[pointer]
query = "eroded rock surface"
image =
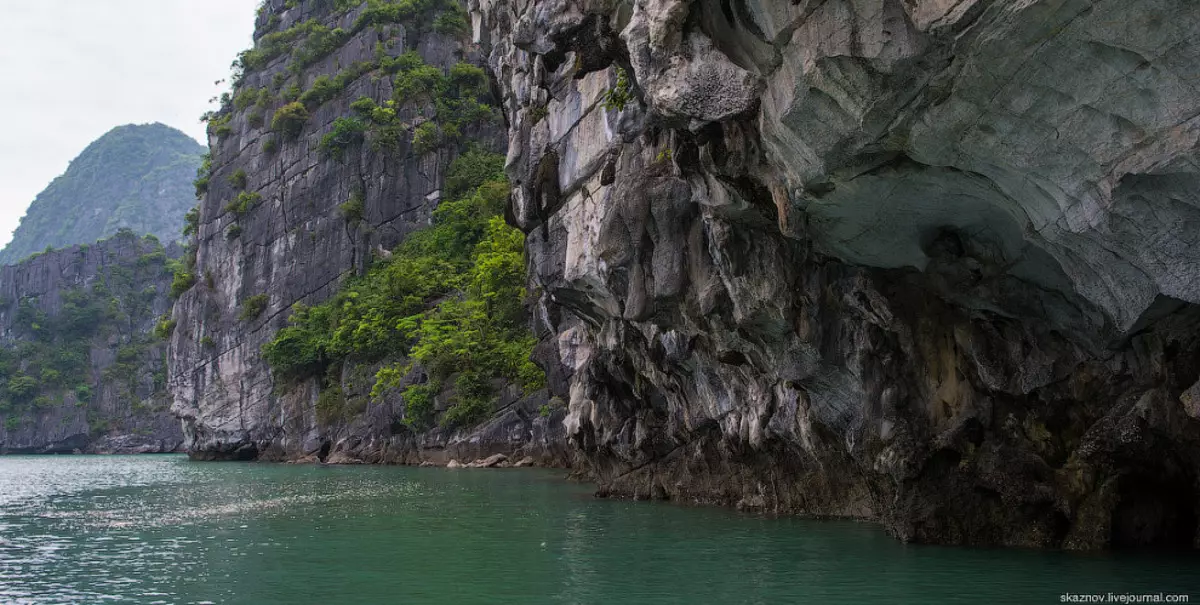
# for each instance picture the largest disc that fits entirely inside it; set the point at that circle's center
(296, 243)
(927, 262)
(82, 370)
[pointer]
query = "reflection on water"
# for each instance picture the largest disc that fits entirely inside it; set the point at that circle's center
(162, 529)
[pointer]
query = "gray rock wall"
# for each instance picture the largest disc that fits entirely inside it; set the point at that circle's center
(297, 247)
(124, 408)
(929, 263)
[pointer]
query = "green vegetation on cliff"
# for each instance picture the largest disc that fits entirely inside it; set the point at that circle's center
(310, 41)
(134, 177)
(450, 298)
(441, 319)
(67, 346)
(460, 97)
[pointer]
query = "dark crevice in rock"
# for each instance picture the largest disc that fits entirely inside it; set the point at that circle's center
(1154, 511)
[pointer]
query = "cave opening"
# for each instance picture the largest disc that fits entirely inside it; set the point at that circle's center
(246, 453)
(323, 453)
(1154, 512)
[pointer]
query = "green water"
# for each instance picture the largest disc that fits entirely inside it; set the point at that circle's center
(166, 530)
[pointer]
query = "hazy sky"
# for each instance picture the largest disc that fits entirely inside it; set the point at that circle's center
(71, 70)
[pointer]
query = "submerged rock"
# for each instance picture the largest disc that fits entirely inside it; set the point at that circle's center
(342, 458)
(489, 462)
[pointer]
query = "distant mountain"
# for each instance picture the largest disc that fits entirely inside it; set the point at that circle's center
(137, 177)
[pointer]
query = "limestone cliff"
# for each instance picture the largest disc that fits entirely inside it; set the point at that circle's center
(927, 262)
(81, 368)
(321, 164)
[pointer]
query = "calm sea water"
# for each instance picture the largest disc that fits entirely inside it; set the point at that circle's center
(166, 530)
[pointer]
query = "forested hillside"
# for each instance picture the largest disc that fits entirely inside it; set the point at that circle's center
(135, 177)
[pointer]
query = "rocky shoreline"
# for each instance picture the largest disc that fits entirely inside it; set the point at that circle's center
(896, 263)
(109, 445)
(899, 261)
(82, 369)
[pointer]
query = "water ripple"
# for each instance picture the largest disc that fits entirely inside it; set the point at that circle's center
(164, 530)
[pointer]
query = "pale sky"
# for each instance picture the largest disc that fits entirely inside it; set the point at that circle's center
(71, 70)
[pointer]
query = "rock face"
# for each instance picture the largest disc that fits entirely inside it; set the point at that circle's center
(930, 263)
(82, 370)
(136, 177)
(297, 243)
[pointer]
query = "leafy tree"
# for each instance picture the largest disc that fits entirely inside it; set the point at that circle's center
(471, 169)
(290, 119)
(191, 221)
(426, 138)
(239, 179)
(449, 298)
(22, 386)
(243, 203)
(203, 175)
(253, 307)
(452, 22)
(346, 133)
(419, 82)
(323, 89)
(165, 327)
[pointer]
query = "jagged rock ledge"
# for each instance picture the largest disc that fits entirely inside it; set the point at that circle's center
(929, 263)
(521, 429)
